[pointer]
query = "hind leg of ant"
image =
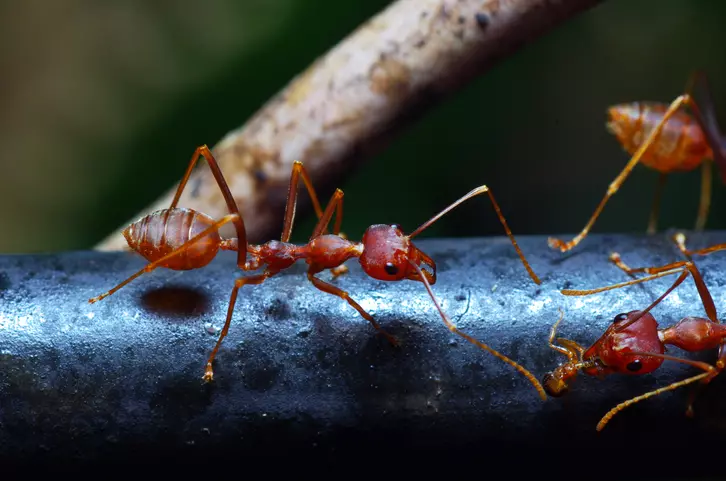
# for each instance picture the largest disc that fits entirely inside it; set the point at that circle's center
(655, 210)
(565, 246)
(242, 281)
(482, 189)
(239, 224)
(705, 200)
(704, 112)
(450, 325)
(336, 291)
(153, 265)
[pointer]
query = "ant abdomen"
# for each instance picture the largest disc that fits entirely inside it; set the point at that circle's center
(680, 146)
(166, 230)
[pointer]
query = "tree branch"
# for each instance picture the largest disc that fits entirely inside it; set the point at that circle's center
(303, 382)
(351, 101)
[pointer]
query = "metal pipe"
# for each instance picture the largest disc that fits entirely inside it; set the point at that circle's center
(301, 378)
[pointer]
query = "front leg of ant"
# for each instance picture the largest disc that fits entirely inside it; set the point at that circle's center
(242, 281)
(331, 289)
(153, 265)
(569, 348)
(565, 246)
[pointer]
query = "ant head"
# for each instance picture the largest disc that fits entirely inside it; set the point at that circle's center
(386, 254)
(555, 383)
(630, 332)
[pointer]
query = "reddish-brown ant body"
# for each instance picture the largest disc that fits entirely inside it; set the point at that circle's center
(182, 239)
(667, 140)
(634, 345)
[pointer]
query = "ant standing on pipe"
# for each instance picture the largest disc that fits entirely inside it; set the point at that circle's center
(675, 142)
(635, 345)
(183, 239)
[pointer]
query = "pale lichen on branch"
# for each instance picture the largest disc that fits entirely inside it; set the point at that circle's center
(348, 102)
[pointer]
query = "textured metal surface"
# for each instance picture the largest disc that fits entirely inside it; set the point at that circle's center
(303, 380)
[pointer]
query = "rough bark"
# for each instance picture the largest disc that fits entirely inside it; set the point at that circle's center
(349, 102)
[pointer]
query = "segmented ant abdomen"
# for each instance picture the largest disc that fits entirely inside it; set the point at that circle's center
(163, 231)
(680, 146)
(614, 346)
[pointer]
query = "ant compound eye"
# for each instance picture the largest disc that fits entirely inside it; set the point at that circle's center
(391, 269)
(620, 317)
(634, 366)
(397, 226)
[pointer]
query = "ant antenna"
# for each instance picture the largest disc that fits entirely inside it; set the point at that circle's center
(491, 351)
(702, 365)
(478, 191)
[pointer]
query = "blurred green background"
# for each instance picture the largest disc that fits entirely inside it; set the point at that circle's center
(103, 103)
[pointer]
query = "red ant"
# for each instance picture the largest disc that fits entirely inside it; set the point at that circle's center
(680, 144)
(182, 239)
(635, 345)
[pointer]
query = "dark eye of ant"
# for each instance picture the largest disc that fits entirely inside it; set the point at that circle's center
(634, 366)
(391, 270)
(397, 226)
(620, 317)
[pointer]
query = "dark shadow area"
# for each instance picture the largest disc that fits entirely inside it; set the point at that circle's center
(176, 302)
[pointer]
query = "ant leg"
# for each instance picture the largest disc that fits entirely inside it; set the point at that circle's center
(686, 268)
(679, 239)
(478, 191)
(571, 349)
(479, 344)
(615, 185)
(153, 265)
(673, 269)
(710, 308)
(239, 224)
(702, 365)
(705, 114)
(298, 173)
(335, 206)
(705, 200)
(331, 289)
(242, 281)
(655, 210)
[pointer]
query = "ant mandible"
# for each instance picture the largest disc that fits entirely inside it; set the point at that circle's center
(182, 239)
(634, 345)
(679, 142)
